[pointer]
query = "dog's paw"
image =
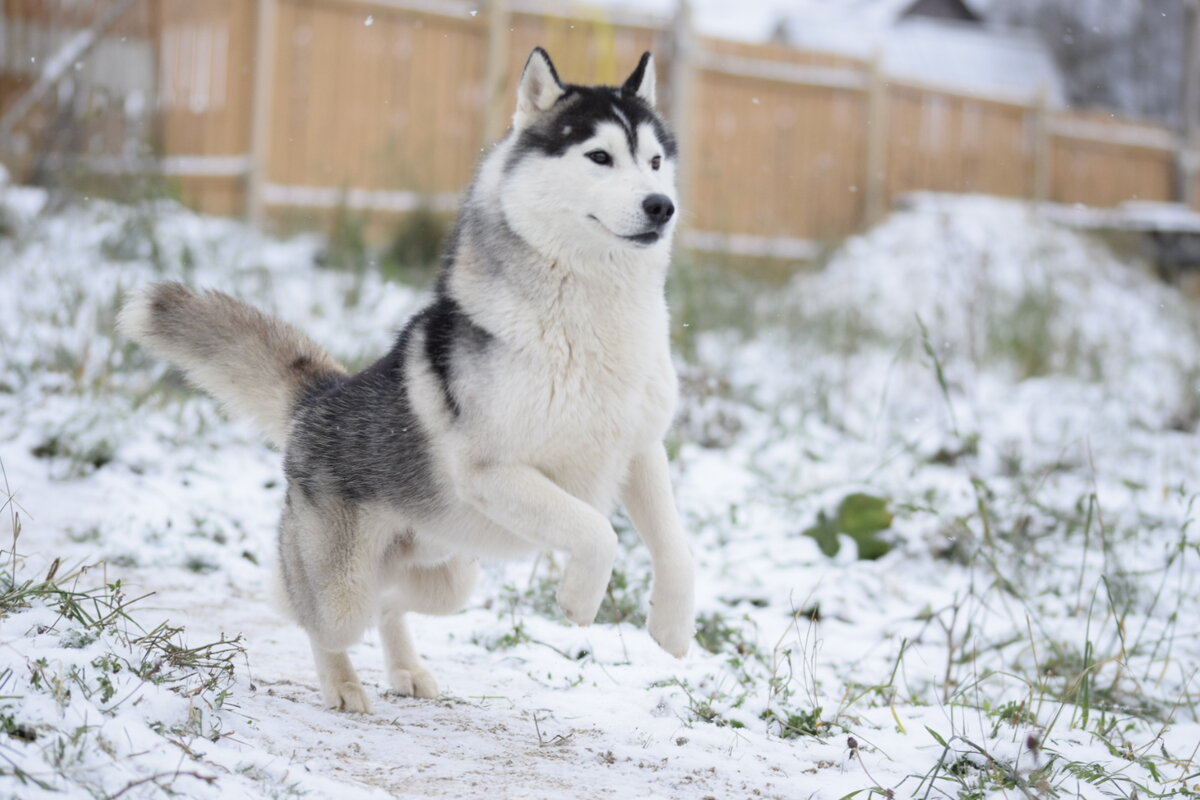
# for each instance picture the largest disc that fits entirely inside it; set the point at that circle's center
(671, 633)
(348, 696)
(417, 682)
(585, 580)
(580, 605)
(672, 638)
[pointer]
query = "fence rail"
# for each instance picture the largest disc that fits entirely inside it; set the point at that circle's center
(283, 110)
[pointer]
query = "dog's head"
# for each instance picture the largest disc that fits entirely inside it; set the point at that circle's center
(591, 165)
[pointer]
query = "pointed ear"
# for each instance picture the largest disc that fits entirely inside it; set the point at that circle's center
(641, 82)
(539, 88)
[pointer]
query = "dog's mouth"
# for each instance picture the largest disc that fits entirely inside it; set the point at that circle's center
(645, 239)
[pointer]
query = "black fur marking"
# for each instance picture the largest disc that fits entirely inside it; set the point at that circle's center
(631, 137)
(581, 109)
(446, 325)
(634, 81)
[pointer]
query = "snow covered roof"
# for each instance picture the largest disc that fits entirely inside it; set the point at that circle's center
(885, 12)
(1002, 62)
(747, 20)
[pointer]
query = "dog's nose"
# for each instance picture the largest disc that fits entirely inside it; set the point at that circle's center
(658, 208)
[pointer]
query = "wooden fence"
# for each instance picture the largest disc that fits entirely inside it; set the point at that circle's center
(284, 110)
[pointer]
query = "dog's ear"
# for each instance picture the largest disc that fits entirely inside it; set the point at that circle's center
(641, 82)
(539, 88)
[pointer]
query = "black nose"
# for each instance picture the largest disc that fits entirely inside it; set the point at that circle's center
(658, 208)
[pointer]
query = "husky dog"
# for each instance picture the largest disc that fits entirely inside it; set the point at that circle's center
(513, 412)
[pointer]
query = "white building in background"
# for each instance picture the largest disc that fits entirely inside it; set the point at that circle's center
(943, 43)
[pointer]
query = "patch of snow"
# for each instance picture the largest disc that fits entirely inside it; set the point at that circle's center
(1042, 480)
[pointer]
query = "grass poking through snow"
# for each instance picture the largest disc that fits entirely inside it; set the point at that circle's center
(942, 495)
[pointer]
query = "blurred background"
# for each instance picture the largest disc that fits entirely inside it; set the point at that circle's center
(937, 441)
(802, 122)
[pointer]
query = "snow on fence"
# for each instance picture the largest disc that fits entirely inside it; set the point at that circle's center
(285, 109)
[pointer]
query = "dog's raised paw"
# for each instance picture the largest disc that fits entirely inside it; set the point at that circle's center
(413, 683)
(349, 696)
(577, 608)
(671, 636)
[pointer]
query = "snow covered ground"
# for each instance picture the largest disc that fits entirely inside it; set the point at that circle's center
(941, 492)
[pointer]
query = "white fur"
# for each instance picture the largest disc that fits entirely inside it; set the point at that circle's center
(588, 223)
(133, 320)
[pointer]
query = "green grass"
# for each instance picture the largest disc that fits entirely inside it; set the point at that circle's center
(118, 656)
(1113, 682)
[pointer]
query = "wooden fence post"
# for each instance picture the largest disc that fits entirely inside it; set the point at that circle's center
(1188, 156)
(682, 78)
(496, 104)
(260, 111)
(875, 182)
(1041, 146)
(158, 112)
(1187, 172)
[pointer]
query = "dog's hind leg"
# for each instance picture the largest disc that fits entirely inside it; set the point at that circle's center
(442, 589)
(406, 671)
(329, 582)
(340, 687)
(346, 613)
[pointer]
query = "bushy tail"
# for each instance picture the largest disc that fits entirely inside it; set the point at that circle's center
(255, 364)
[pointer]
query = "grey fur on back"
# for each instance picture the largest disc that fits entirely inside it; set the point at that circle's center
(357, 438)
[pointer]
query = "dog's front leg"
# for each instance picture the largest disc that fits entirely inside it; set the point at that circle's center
(524, 501)
(648, 499)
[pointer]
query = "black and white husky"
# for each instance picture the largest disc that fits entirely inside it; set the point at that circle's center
(513, 412)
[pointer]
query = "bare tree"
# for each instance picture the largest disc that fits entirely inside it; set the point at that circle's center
(1125, 55)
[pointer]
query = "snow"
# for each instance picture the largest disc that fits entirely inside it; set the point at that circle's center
(1132, 215)
(1036, 445)
(975, 288)
(1001, 62)
(749, 20)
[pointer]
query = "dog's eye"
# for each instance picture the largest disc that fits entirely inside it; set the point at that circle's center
(601, 157)
(656, 162)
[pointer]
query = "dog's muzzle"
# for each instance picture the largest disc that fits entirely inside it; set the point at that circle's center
(658, 209)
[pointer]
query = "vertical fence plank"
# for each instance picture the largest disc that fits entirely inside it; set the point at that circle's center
(260, 116)
(875, 180)
(682, 111)
(1187, 175)
(156, 143)
(1042, 150)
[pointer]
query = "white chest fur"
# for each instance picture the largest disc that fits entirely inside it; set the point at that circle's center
(575, 389)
